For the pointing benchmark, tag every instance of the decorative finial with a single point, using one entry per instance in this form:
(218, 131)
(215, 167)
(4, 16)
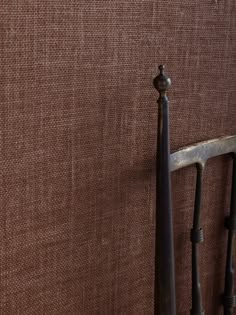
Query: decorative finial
(161, 82)
(161, 68)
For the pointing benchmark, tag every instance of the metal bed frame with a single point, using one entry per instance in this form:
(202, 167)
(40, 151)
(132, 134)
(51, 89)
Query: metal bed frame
(197, 154)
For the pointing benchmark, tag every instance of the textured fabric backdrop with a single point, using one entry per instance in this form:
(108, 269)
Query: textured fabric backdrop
(77, 149)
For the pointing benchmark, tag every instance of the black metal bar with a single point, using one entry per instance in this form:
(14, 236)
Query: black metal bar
(229, 299)
(164, 295)
(196, 238)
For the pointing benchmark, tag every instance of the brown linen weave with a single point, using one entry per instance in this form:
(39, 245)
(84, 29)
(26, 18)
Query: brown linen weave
(77, 149)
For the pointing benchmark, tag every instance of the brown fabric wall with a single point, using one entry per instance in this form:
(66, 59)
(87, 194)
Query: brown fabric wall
(77, 149)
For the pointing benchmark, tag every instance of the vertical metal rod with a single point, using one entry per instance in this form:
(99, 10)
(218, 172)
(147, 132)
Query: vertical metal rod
(196, 238)
(229, 299)
(164, 290)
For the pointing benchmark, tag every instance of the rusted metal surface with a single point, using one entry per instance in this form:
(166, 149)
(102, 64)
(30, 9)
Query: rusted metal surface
(199, 153)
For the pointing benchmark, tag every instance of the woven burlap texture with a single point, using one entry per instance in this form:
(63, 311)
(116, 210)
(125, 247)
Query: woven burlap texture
(78, 127)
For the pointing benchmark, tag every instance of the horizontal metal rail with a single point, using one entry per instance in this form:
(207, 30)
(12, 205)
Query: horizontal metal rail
(199, 153)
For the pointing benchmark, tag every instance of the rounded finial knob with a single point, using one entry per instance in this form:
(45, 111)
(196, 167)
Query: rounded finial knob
(161, 82)
(161, 68)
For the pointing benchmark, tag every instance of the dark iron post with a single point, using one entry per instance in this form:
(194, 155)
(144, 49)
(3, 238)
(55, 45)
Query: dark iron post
(229, 299)
(196, 239)
(164, 292)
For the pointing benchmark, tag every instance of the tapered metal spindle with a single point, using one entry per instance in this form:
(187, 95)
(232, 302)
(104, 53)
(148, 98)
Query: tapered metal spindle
(196, 238)
(164, 295)
(229, 299)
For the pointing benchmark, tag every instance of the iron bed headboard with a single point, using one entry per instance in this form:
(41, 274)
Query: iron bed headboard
(198, 154)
